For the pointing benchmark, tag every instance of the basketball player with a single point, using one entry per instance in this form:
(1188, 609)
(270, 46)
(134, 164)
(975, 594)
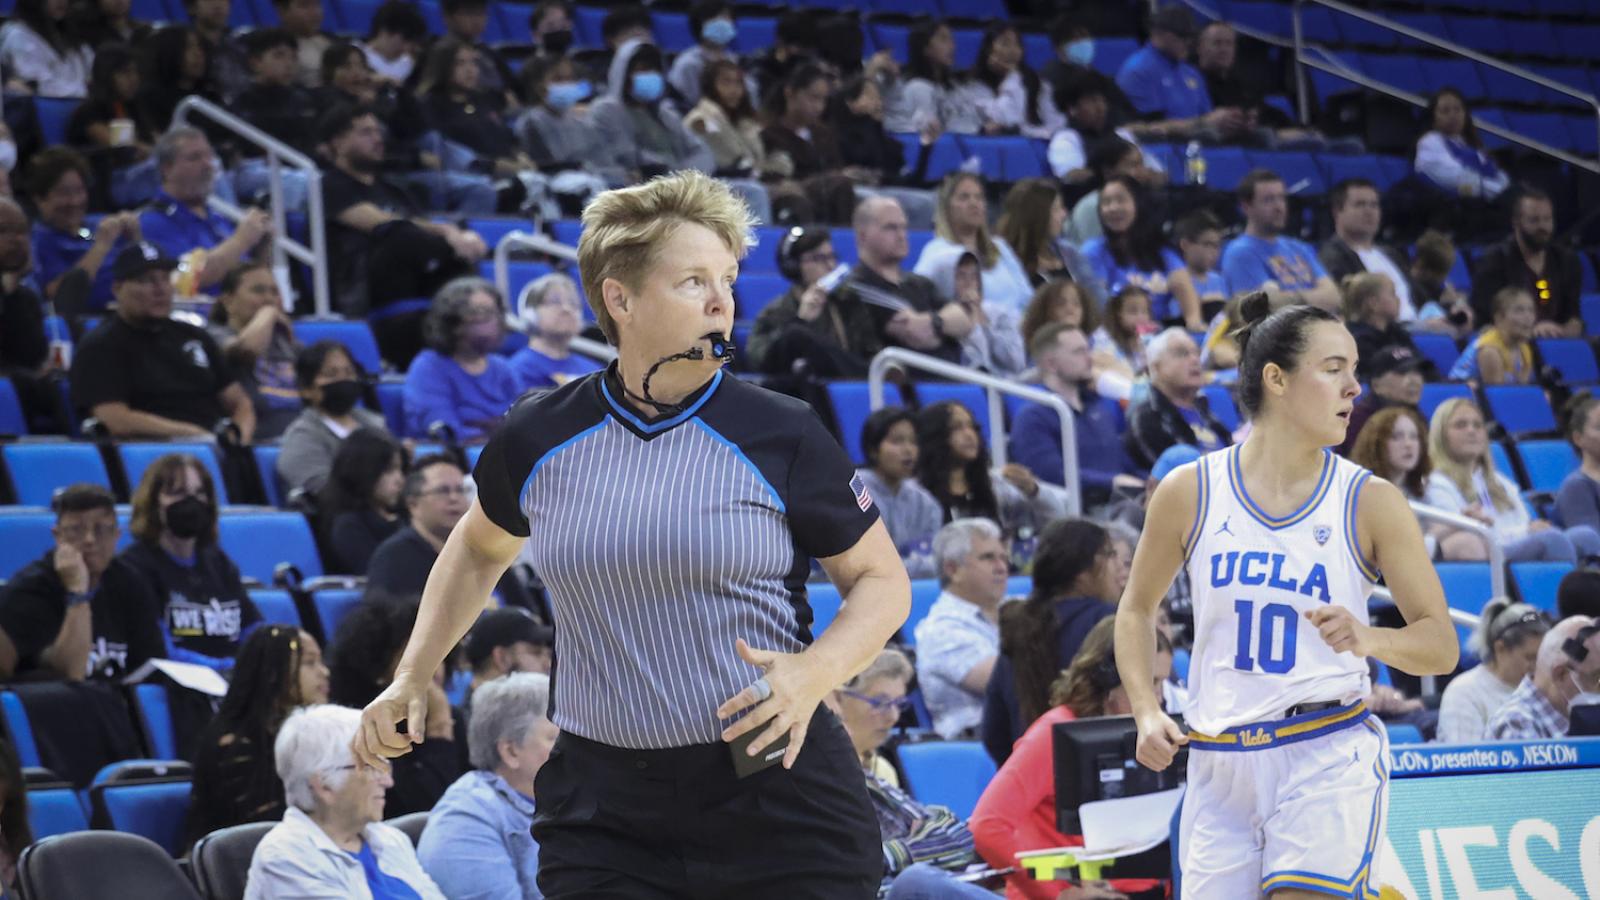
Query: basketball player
(1283, 541)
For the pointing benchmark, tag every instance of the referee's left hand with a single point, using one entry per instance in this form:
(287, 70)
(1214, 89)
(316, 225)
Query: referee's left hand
(798, 685)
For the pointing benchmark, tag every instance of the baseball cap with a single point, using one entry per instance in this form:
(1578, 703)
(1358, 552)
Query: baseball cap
(1394, 358)
(1175, 19)
(502, 628)
(137, 259)
(1173, 457)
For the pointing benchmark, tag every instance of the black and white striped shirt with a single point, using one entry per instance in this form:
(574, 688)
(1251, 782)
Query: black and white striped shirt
(663, 540)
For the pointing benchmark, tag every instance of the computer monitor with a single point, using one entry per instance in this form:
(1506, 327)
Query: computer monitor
(1094, 760)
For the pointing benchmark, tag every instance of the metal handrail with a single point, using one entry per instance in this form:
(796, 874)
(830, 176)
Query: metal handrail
(528, 240)
(994, 387)
(1497, 554)
(1430, 683)
(278, 153)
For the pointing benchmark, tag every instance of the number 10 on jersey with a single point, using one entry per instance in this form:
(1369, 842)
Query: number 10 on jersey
(1260, 632)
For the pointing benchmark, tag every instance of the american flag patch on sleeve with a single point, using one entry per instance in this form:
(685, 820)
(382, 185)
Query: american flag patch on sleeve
(863, 497)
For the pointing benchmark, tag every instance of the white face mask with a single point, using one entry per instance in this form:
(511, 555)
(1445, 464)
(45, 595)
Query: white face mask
(8, 155)
(1583, 697)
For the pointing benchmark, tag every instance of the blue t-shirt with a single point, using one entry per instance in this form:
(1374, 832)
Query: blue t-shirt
(383, 885)
(54, 252)
(1036, 441)
(1155, 84)
(1249, 262)
(1204, 438)
(176, 229)
(437, 389)
(1210, 286)
(538, 370)
(1163, 306)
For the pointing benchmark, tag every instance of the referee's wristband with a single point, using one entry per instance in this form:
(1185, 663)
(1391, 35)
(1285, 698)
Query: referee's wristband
(75, 598)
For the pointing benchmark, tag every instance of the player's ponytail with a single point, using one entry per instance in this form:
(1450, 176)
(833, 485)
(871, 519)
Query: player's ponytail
(1068, 549)
(1270, 337)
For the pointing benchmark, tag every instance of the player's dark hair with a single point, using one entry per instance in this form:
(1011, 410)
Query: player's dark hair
(935, 462)
(1270, 337)
(1067, 550)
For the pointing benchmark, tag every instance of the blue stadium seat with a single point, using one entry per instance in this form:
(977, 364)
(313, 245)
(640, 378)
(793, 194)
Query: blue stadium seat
(432, 15)
(1337, 167)
(1222, 406)
(1466, 587)
(55, 810)
(1548, 128)
(1459, 73)
(24, 537)
(1505, 87)
(1460, 275)
(1225, 167)
(752, 293)
(512, 22)
(1019, 586)
(1440, 349)
(258, 541)
(844, 246)
(924, 591)
(1591, 279)
(277, 607)
(494, 229)
(763, 257)
(952, 774)
(38, 470)
(1021, 158)
(154, 810)
(154, 712)
(1298, 168)
(12, 421)
(894, 38)
(916, 239)
(1436, 393)
(1572, 357)
(967, 41)
(1401, 71)
(825, 602)
(1272, 18)
(1395, 169)
(1502, 461)
(271, 482)
(1578, 40)
(518, 274)
(352, 17)
(1111, 52)
(970, 9)
(244, 14)
(1520, 408)
(586, 22)
(1547, 463)
(1531, 36)
(1403, 733)
(332, 605)
(1589, 308)
(1317, 24)
(54, 113)
(567, 231)
(852, 403)
(755, 33)
(974, 398)
(1477, 32)
(987, 151)
(1366, 34)
(18, 729)
(672, 31)
(1536, 582)
(136, 457)
(391, 402)
(1037, 51)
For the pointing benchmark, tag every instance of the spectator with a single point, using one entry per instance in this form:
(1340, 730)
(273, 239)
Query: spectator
(1372, 313)
(1031, 220)
(623, 25)
(395, 40)
(1451, 155)
(1108, 158)
(1083, 98)
(927, 92)
(953, 464)
(1578, 500)
(465, 22)
(1393, 446)
(179, 221)
(1507, 641)
(828, 335)
(1011, 98)
(994, 344)
(278, 104)
(383, 250)
(144, 375)
(1530, 260)
(725, 119)
(962, 220)
(279, 670)
(58, 184)
(1566, 668)
(1430, 270)
(253, 329)
(1131, 252)
(1119, 342)
(1065, 369)
(477, 842)
(874, 159)
(101, 22)
(41, 52)
(1466, 482)
(551, 26)
(712, 24)
(1167, 92)
(303, 20)
(1216, 55)
(1579, 593)
(175, 66)
(802, 146)
(1264, 258)
(111, 124)
(1199, 237)
(54, 621)
(795, 44)
(16, 834)
(1074, 47)
(507, 641)
(460, 381)
(1017, 811)
(1058, 301)
(959, 640)
(641, 132)
(905, 306)
(359, 503)
(457, 106)
(24, 349)
(1354, 248)
(177, 573)
(910, 513)
(330, 384)
(1075, 577)
(552, 310)
(227, 68)
(331, 841)
(1502, 353)
(1396, 374)
(556, 128)
(1175, 412)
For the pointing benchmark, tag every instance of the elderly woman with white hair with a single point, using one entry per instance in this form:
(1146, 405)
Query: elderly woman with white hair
(331, 842)
(478, 844)
(553, 311)
(459, 381)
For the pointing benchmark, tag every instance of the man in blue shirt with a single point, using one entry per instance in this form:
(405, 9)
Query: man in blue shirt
(178, 220)
(1164, 88)
(1262, 258)
(1062, 354)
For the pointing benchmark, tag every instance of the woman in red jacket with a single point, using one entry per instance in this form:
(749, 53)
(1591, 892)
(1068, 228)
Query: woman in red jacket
(1018, 810)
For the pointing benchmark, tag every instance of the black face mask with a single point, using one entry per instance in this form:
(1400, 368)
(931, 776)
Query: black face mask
(188, 517)
(556, 42)
(339, 397)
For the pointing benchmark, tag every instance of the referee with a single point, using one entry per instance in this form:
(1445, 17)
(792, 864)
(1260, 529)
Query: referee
(673, 513)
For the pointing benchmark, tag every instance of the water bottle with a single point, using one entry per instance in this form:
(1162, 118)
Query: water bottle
(1194, 163)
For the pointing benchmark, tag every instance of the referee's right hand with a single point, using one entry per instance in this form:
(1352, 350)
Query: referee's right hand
(380, 738)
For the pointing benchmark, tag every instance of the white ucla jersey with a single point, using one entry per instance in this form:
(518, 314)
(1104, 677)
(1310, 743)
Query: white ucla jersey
(1254, 577)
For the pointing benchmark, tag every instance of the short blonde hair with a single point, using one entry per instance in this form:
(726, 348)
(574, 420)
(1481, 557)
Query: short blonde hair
(623, 228)
(1357, 289)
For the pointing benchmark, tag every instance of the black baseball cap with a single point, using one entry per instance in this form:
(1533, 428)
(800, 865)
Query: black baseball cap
(1395, 358)
(137, 259)
(1175, 19)
(502, 628)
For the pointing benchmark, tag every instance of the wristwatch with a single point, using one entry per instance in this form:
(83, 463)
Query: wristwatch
(75, 598)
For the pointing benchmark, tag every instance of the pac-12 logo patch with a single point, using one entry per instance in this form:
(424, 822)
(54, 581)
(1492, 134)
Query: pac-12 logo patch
(863, 497)
(1321, 533)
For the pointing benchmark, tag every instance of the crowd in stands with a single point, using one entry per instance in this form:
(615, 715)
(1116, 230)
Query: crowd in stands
(1101, 284)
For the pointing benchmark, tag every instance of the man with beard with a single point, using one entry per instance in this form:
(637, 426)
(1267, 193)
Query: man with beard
(1529, 260)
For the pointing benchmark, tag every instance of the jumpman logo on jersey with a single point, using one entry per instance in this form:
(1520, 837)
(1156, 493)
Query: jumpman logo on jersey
(1224, 529)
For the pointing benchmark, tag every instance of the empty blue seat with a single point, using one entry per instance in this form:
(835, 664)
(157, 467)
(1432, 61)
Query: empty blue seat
(139, 456)
(1531, 36)
(1547, 463)
(1220, 398)
(1403, 733)
(1455, 72)
(586, 22)
(1272, 18)
(924, 591)
(1299, 170)
(1225, 167)
(1440, 349)
(153, 709)
(1437, 393)
(1548, 128)
(852, 403)
(18, 729)
(755, 33)
(1589, 308)
(1478, 32)
(763, 257)
(12, 421)
(267, 464)
(54, 811)
(952, 774)
(1466, 587)
(752, 293)
(825, 603)
(672, 31)
(1508, 88)
(894, 38)
(153, 810)
(24, 537)
(567, 231)
(432, 16)
(493, 230)
(38, 470)
(1577, 40)
(352, 17)
(512, 22)
(1400, 71)
(971, 9)
(391, 402)
(1572, 357)
(277, 607)
(1019, 586)
(53, 114)
(332, 605)
(967, 41)
(844, 247)
(1520, 408)
(987, 151)
(519, 273)
(974, 398)
(917, 239)
(1338, 167)
(1502, 461)
(1536, 582)
(1037, 51)
(258, 541)
(1111, 52)
(1366, 34)
(1395, 169)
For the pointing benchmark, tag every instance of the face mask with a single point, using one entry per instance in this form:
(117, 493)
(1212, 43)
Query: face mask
(8, 155)
(339, 397)
(188, 517)
(484, 337)
(564, 95)
(719, 31)
(1583, 697)
(556, 42)
(647, 86)
(1080, 52)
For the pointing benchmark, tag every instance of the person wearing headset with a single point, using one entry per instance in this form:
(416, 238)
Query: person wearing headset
(808, 330)
(554, 314)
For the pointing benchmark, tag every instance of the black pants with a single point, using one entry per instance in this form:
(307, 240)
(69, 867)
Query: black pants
(616, 823)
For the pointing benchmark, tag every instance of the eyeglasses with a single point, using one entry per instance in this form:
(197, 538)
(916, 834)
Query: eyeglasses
(880, 704)
(77, 533)
(446, 490)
